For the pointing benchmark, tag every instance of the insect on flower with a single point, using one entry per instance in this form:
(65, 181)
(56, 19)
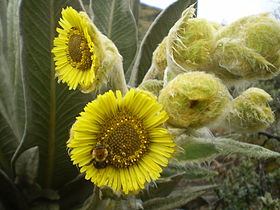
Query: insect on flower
(99, 155)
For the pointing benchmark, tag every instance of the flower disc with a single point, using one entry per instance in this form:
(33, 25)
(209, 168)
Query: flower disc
(75, 53)
(128, 133)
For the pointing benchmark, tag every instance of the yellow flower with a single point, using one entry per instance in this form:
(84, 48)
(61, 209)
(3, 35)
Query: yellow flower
(120, 141)
(76, 52)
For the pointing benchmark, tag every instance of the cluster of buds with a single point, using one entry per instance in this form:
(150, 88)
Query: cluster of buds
(199, 60)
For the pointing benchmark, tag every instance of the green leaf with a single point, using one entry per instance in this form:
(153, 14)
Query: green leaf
(227, 146)
(196, 151)
(200, 149)
(157, 31)
(27, 167)
(12, 98)
(177, 198)
(8, 145)
(52, 108)
(114, 18)
(3, 23)
(190, 172)
(10, 195)
(135, 6)
(197, 172)
(82, 188)
(162, 188)
(45, 205)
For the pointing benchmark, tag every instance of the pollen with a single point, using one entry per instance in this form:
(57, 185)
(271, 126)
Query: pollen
(78, 52)
(125, 138)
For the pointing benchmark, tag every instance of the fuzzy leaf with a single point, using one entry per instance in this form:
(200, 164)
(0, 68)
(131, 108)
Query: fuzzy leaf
(52, 107)
(157, 31)
(196, 151)
(114, 18)
(134, 5)
(177, 199)
(3, 22)
(12, 96)
(227, 146)
(190, 172)
(27, 166)
(200, 149)
(197, 172)
(163, 187)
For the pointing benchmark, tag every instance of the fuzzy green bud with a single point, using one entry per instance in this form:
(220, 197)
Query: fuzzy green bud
(153, 86)
(159, 57)
(194, 100)
(262, 35)
(239, 60)
(248, 49)
(159, 62)
(235, 29)
(190, 43)
(251, 112)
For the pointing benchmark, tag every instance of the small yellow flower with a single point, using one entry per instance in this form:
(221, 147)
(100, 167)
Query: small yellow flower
(76, 50)
(120, 141)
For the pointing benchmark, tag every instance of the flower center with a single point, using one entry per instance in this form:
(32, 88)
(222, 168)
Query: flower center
(79, 54)
(125, 138)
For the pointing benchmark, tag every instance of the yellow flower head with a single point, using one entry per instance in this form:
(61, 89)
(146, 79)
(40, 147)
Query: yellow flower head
(76, 55)
(83, 55)
(120, 141)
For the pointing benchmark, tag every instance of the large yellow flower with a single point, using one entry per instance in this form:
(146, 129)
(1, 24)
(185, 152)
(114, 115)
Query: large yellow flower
(120, 141)
(76, 52)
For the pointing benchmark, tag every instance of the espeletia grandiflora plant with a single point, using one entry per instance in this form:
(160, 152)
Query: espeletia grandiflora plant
(89, 120)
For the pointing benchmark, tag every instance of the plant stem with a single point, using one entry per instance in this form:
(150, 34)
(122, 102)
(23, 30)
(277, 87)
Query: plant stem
(118, 79)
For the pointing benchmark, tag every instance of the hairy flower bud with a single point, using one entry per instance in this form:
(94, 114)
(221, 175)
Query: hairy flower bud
(248, 49)
(251, 112)
(159, 62)
(153, 86)
(241, 61)
(189, 43)
(194, 99)
(159, 57)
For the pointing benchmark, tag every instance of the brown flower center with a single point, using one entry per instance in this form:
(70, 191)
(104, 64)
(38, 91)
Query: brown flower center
(79, 54)
(125, 139)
